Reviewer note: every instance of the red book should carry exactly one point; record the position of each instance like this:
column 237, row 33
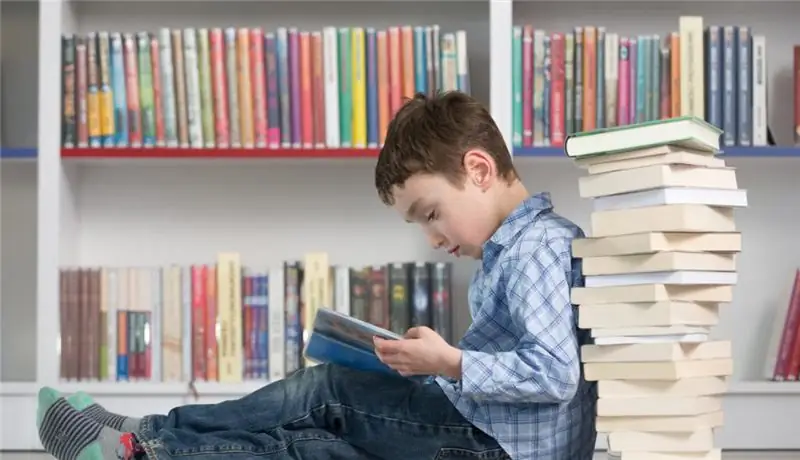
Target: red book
column 557, row 79
column 527, row 86
column 789, row 335
column 306, row 96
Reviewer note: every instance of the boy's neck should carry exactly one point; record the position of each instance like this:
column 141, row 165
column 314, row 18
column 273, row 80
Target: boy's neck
column 510, row 198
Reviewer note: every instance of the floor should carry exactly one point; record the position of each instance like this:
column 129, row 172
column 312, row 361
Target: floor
column 775, row 455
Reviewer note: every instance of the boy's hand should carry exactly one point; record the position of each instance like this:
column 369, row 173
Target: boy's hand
column 421, row 352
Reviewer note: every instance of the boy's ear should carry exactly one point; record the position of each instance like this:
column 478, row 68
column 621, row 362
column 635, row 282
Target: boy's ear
column 480, row 169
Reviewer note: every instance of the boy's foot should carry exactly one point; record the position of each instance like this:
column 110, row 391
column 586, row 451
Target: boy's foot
column 84, row 403
column 68, row 435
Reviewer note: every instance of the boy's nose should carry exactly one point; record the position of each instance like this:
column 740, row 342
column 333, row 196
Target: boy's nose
column 436, row 241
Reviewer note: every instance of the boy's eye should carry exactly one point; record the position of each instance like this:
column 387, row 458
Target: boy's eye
column 431, row 215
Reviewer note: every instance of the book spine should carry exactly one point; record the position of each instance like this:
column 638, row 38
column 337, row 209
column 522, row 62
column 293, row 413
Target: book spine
column 158, row 93
column 206, row 91
column 105, row 95
column 359, row 88
column 245, row 87
column 371, row 59
column 306, row 94
column 557, row 98
column 219, row 84
column 92, row 96
column 318, row 89
column 284, row 91
column 330, row 40
column 744, row 96
column 146, row 91
column 168, row 89
column 295, row 89
column 273, row 96
column 180, row 88
column 132, row 91
column 259, row 83
column 231, row 69
column 516, row 85
column 759, row 90
column 68, row 123
column 383, row 85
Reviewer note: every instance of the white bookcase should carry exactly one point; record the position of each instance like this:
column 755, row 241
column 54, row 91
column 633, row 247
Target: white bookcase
column 150, row 212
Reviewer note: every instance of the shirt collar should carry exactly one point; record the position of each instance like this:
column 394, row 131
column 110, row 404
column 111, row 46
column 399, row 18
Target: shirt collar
column 519, row 219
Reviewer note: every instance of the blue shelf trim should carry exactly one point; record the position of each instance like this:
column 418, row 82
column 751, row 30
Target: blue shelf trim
column 733, row 152
column 18, row 153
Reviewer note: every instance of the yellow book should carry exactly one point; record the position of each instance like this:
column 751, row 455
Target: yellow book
column 105, row 97
column 229, row 317
column 359, row 89
column 316, row 291
column 692, row 69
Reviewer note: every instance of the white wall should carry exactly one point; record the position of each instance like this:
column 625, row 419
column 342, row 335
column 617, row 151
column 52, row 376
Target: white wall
column 19, row 41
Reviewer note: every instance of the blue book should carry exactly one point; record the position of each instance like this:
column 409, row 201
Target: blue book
column 340, row 339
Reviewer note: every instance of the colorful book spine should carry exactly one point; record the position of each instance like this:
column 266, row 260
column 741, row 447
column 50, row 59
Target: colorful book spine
column 69, row 125
column 330, row 40
column 168, row 89
column 234, row 123
column 105, row 94
column 245, row 86
column 345, row 88
column 158, row 93
column 371, row 59
column 206, row 91
column 219, row 83
column 359, row 88
column 258, row 80
column 273, row 98
column 146, row 91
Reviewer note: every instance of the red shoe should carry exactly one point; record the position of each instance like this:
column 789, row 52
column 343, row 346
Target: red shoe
column 129, row 448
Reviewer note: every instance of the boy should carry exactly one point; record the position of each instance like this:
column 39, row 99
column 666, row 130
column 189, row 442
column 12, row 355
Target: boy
column 512, row 389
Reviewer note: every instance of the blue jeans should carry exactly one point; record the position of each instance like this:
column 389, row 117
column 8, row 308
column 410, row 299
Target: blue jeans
column 323, row 412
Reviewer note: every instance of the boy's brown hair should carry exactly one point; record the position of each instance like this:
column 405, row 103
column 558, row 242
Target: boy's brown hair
column 431, row 135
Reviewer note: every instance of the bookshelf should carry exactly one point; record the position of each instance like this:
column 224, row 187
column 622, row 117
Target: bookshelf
column 145, row 206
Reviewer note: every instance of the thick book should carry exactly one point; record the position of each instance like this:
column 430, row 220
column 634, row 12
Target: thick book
column 340, row 339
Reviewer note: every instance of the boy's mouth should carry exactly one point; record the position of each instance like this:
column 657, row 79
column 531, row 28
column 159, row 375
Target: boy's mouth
column 454, row 250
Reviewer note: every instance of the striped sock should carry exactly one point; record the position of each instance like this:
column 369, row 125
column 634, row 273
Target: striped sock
column 84, row 403
column 68, row 435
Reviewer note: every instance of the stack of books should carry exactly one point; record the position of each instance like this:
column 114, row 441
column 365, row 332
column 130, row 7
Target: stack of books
column 660, row 260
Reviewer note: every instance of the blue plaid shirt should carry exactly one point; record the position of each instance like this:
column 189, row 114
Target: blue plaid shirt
column 521, row 380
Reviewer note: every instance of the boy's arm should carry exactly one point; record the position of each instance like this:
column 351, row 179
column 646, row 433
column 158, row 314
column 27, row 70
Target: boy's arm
column 545, row 366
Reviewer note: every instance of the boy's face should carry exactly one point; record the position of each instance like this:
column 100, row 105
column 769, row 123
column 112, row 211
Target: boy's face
column 458, row 220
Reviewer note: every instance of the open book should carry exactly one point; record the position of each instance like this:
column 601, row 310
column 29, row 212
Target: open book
column 340, row 339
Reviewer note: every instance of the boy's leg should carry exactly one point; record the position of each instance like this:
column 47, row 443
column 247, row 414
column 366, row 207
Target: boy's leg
column 322, row 410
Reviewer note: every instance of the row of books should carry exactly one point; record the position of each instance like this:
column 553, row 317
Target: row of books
column 228, row 323
column 591, row 78
column 661, row 258
column 783, row 353
column 220, row 88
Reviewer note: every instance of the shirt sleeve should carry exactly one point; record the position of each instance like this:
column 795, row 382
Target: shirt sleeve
column 544, row 367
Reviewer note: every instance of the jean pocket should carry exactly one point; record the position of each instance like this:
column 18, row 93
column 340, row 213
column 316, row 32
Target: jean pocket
column 458, row 453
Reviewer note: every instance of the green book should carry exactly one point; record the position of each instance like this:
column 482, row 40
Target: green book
column 146, row 91
column 686, row 132
column 206, row 97
column 345, row 88
column 516, row 64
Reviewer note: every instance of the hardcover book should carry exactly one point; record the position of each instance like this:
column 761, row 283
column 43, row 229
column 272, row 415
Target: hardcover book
column 340, row 339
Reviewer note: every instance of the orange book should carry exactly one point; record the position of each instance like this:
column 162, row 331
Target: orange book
column 245, row 89
column 318, row 89
column 675, row 73
column 384, row 111
column 589, row 78
column 395, row 70
column 407, row 49
column 306, row 105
